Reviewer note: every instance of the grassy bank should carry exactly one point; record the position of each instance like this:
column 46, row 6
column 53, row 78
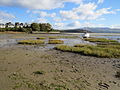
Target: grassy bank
column 91, row 50
column 55, row 42
column 31, row 42
column 100, row 40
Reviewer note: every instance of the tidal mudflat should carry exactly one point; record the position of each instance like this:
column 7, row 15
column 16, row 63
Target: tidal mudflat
column 40, row 67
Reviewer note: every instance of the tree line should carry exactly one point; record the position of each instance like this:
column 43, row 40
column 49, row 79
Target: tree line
column 46, row 27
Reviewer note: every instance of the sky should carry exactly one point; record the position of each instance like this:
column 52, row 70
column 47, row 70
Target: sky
column 62, row 14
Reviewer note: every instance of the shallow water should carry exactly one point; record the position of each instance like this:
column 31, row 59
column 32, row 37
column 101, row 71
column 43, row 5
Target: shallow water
column 8, row 42
column 5, row 40
column 110, row 37
column 72, row 42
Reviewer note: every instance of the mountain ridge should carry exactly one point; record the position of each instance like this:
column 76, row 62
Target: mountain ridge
column 92, row 30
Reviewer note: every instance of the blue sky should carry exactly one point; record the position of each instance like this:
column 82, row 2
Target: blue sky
column 62, row 14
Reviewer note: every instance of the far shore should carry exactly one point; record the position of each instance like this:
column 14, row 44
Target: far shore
column 109, row 34
column 93, row 34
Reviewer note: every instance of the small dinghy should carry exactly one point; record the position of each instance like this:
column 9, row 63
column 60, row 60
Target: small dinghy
column 86, row 35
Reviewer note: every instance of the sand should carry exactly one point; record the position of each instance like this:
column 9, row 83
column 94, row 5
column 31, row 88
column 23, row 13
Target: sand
column 60, row 70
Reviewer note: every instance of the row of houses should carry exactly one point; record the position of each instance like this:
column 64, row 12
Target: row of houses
column 11, row 25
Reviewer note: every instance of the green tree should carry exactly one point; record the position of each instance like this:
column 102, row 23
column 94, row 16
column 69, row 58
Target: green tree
column 48, row 27
column 45, row 27
column 35, row 27
column 27, row 30
column 42, row 26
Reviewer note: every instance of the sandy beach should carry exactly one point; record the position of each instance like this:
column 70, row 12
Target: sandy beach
column 59, row 70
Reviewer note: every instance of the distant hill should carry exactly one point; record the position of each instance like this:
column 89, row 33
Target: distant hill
column 76, row 31
column 103, row 30
column 92, row 30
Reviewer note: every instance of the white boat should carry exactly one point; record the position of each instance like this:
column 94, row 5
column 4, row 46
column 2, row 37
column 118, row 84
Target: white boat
column 86, row 35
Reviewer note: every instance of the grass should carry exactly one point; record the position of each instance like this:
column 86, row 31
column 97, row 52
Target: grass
column 56, row 42
column 91, row 50
column 108, row 43
column 40, row 38
column 110, row 46
column 17, row 85
column 81, row 45
column 101, row 46
column 100, row 40
column 58, row 86
column 53, row 37
column 31, row 42
column 22, row 81
column 16, row 76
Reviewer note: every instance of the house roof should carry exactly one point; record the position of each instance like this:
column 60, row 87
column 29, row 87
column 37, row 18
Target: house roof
column 2, row 24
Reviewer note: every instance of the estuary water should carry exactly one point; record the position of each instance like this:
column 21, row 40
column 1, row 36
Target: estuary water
column 6, row 40
column 112, row 36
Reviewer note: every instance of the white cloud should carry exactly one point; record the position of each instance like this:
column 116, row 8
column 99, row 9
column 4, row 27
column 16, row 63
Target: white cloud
column 69, row 15
column 117, row 9
column 44, row 14
column 6, row 2
column 40, row 20
column 88, row 24
column 100, row 1
column 72, row 25
column 59, row 25
column 75, row 24
column 37, row 4
column 74, row 1
column 57, row 19
column 5, row 17
column 87, row 11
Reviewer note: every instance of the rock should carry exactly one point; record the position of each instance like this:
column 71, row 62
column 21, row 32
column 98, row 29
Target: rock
column 61, row 70
column 114, row 82
column 73, row 66
column 14, row 73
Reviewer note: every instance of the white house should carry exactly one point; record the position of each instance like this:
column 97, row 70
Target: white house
column 10, row 25
column 18, row 25
column 2, row 25
column 27, row 25
column 21, row 25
